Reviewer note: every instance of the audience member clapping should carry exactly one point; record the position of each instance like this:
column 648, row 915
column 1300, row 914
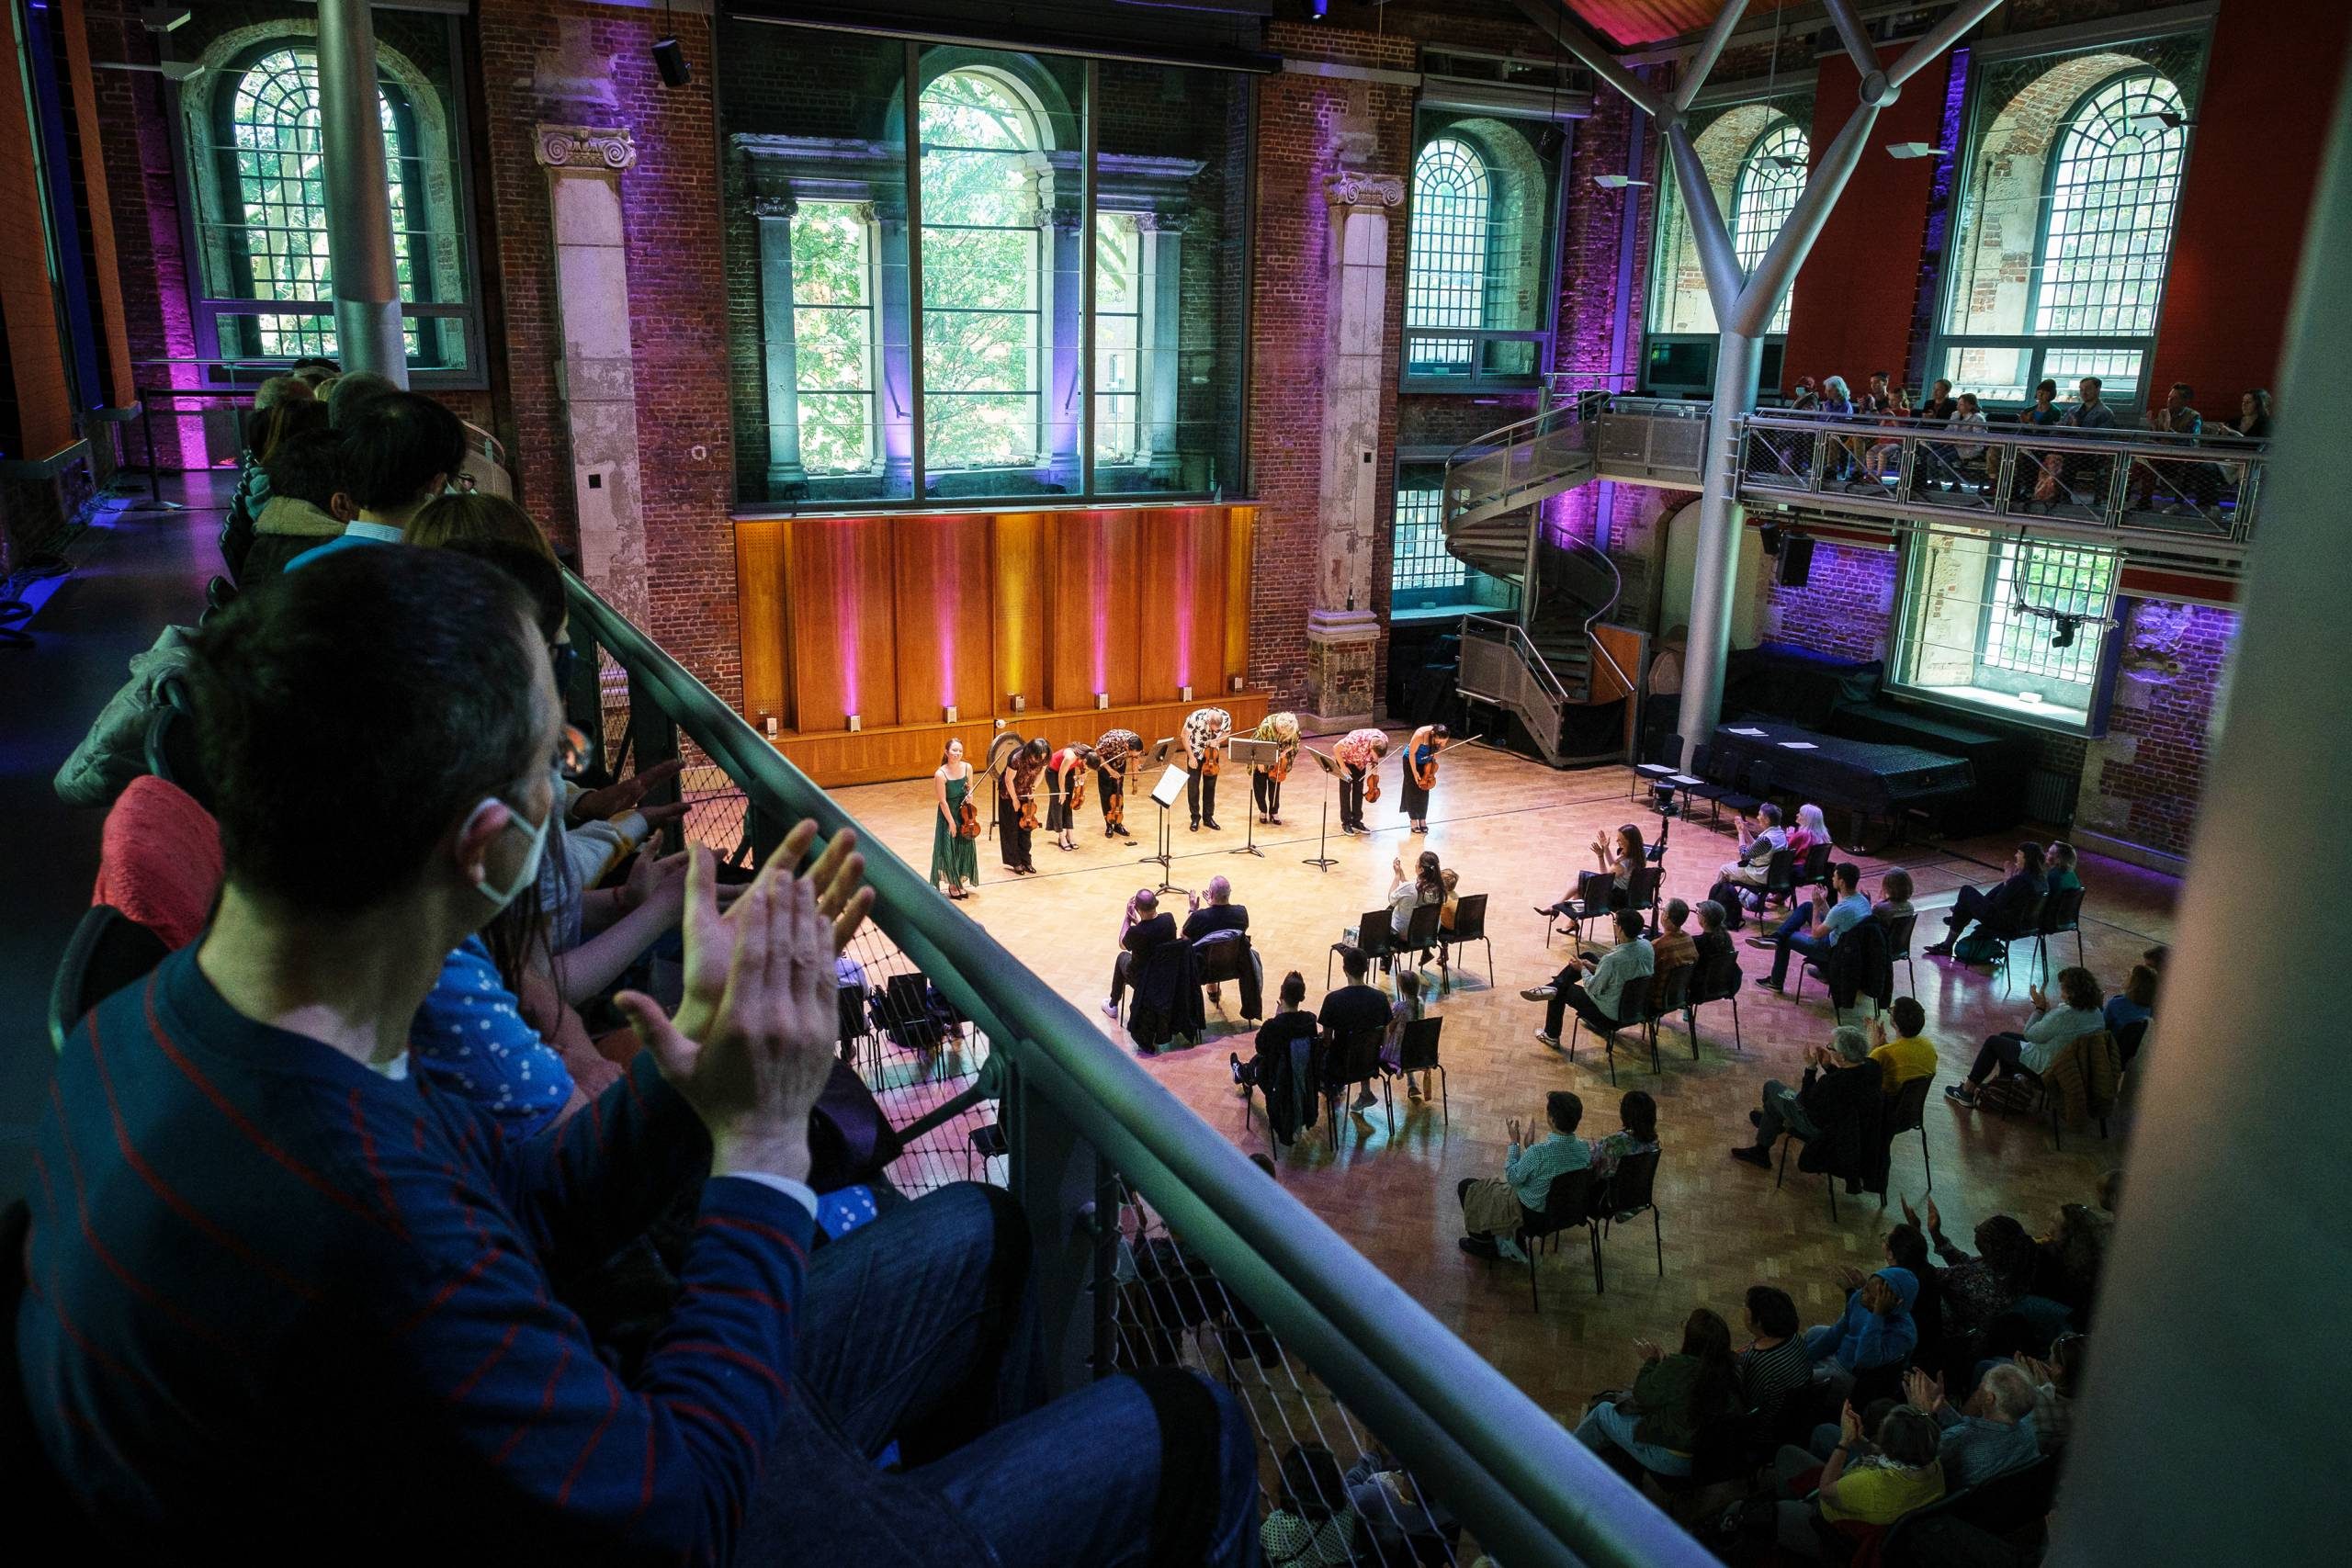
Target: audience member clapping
column 1862, row 1483
column 1991, row 1434
column 1494, row 1207
column 1659, row 1421
column 1837, row 1081
column 2050, row 1030
column 1875, row 1330
column 1594, row 983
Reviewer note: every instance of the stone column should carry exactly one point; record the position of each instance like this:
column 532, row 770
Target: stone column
column 1162, row 240
column 1062, row 351
column 596, row 376
column 775, row 210
column 895, row 306
column 1342, row 631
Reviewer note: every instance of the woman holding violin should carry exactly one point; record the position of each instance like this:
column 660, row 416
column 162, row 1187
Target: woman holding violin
column 954, row 855
column 1066, row 790
column 1266, row 782
column 1114, row 754
column 1016, row 812
column 1421, row 772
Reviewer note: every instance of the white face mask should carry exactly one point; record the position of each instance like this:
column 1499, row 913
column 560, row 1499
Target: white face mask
column 529, row 874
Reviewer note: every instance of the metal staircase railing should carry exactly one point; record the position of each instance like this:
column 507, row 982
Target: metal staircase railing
column 1154, row 1241
column 1500, row 666
column 1520, row 463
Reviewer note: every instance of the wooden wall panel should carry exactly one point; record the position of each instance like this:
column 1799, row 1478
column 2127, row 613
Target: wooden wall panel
column 1240, row 552
column 1021, row 605
column 843, row 639
column 940, row 566
column 763, row 621
column 1201, row 664
column 1093, row 635
column 1162, row 558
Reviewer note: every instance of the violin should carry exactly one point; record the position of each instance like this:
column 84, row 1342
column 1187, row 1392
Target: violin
column 969, row 828
column 1280, row 771
column 1077, row 790
column 1371, row 784
column 1115, row 808
column 1426, row 774
column 1028, row 816
column 1213, row 761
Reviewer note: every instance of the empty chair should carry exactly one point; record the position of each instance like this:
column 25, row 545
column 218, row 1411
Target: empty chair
column 1375, row 939
column 1703, row 785
column 1416, row 1052
column 1469, row 926
column 1908, row 1114
column 1666, row 763
column 1636, row 1000
column 1899, row 932
column 109, row 950
column 2061, row 912
column 849, row 1023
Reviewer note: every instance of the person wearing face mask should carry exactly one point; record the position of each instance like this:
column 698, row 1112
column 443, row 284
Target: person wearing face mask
column 339, row 1284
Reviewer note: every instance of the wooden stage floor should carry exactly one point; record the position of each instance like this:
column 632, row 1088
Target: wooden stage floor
column 1518, row 831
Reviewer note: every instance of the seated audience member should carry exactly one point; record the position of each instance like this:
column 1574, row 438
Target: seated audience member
column 1760, row 838
column 348, row 396
column 1814, row 926
column 1406, row 1008
column 1672, row 1399
column 2001, row 906
column 1836, row 1082
column 2047, row 1032
column 476, row 515
column 399, row 450
column 1594, row 983
column 1493, row 1207
column 1355, row 1007
column 305, row 506
column 2135, row 1003
column 2059, row 861
column 1991, row 1434
column 1906, row 1249
column 2057, row 1383
column 1894, row 895
column 1312, row 1525
column 1218, row 913
column 323, row 1236
column 1144, row 926
column 1636, row 1134
column 1776, row 1363
column 1403, row 1523
column 1673, row 947
column 1907, row 1055
column 1861, row 1485
column 1283, row 1067
column 1975, row 1290
column 1621, row 857
column 1811, row 828
column 1450, row 899
column 1713, row 943
column 1876, row 1329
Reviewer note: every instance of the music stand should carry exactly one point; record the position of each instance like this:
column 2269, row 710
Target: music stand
column 1321, row 859
column 1164, row 795
column 1157, row 755
column 1253, row 754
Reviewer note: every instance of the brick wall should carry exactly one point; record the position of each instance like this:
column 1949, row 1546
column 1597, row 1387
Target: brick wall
column 1845, row 609
column 2141, row 783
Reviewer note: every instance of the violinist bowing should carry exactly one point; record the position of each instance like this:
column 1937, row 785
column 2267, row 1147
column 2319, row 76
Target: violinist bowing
column 1207, row 732
column 1420, row 773
column 1016, row 811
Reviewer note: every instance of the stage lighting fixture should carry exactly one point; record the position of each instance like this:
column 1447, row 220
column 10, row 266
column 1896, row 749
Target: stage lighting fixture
column 2064, row 636
column 1916, row 150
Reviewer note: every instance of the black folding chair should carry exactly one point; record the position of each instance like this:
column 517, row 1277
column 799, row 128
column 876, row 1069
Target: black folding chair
column 2027, row 924
column 108, row 951
column 1631, row 1188
column 172, row 753
column 1634, row 1002
column 1899, row 932
column 1416, row 1052
column 1596, row 894
column 1670, row 994
column 1421, row 934
column 2061, row 912
column 1642, row 886
column 1908, row 1114
column 1716, row 981
column 1651, row 772
column 1353, row 1063
column 1565, row 1206
column 1375, row 939
column 1469, row 926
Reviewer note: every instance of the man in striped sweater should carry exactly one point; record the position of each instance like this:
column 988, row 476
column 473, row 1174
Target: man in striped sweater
column 284, row 1294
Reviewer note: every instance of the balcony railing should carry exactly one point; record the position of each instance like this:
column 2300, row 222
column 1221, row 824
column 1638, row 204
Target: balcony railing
column 2200, row 496
column 1156, row 1242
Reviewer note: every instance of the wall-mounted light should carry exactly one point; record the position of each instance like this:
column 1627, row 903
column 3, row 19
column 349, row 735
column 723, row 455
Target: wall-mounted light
column 950, row 712
column 769, row 720
column 1184, row 693
column 1616, row 182
column 1102, row 699
column 854, row 725
column 1234, row 684
column 1020, row 703
column 1916, row 150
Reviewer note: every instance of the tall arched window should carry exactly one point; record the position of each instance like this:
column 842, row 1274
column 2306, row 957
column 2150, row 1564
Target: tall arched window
column 1771, row 177
column 1446, row 275
column 2113, row 187
column 277, row 238
column 985, row 196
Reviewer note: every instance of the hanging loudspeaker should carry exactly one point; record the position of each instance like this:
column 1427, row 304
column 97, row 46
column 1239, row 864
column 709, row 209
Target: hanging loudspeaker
column 1796, row 562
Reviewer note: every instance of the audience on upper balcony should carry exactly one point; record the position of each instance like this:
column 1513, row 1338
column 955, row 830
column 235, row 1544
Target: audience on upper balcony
column 2254, row 417
column 2089, row 411
column 1313, row 1523
column 399, row 450
column 328, row 1231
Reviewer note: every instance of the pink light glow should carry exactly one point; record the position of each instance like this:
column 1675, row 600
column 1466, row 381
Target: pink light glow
column 943, row 613
column 845, row 624
column 1184, row 616
column 1101, row 606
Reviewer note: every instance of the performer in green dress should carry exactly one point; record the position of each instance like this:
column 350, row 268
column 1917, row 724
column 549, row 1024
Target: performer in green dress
column 953, row 856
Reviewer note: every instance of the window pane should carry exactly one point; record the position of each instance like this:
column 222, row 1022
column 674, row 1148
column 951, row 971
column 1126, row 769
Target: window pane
column 1756, row 157
column 1422, row 561
column 1771, row 177
column 2111, row 195
column 2015, row 627
column 1446, row 257
column 1171, row 192
column 816, row 213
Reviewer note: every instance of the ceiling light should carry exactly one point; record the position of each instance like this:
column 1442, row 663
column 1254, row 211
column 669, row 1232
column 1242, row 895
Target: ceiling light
column 2157, row 122
column 1785, row 161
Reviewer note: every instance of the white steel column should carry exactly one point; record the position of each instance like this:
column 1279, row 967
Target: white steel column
column 358, row 193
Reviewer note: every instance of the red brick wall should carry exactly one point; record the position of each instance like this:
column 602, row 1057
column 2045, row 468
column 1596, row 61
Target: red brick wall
column 1845, row 609
column 2141, row 783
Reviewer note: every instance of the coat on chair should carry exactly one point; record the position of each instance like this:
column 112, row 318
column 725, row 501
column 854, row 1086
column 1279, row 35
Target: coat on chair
column 1858, row 964
column 1229, row 955
column 1848, row 1108
column 1168, row 996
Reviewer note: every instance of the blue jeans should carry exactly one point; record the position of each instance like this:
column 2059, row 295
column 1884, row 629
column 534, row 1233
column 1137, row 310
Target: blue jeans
column 1604, row 1424
column 915, row 1331
column 1791, row 938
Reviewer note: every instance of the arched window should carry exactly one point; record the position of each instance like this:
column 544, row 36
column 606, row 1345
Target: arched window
column 2113, row 187
column 1771, row 176
column 986, row 194
column 1445, row 277
column 277, row 237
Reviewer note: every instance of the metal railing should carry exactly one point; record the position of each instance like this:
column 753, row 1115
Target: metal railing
column 1598, row 560
column 1501, row 665
column 1520, row 463
column 1155, row 1241
column 2148, row 484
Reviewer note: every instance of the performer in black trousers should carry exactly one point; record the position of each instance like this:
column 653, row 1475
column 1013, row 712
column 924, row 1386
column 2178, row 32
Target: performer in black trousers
column 1115, row 753
column 1205, row 732
column 1358, row 752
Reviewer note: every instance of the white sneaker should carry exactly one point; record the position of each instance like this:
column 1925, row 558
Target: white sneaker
column 1548, row 1039
column 1508, row 1247
column 1110, row 1009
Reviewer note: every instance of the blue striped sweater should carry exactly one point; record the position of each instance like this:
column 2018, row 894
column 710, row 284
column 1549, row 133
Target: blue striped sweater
column 279, row 1299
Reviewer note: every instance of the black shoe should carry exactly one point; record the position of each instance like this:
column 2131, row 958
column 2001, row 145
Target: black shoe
column 1755, row 1118
column 1757, row 1157
column 1942, row 950
column 1479, row 1246
column 1210, row 823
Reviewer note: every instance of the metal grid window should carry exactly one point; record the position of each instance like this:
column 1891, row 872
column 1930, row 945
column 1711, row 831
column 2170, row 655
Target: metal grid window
column 982, row 290
column 1119, row 337
column 278, row 232
column 832, row 331
column 1771, row 177
column 1422, row 562
column 1445, row 274
column 2114, row 185
column 2069, row 578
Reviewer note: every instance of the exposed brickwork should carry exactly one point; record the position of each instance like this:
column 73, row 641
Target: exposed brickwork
column 2141, row 783
column 1846, row 608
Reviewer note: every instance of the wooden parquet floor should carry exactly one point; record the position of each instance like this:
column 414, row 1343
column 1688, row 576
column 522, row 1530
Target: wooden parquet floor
column 1518, row 831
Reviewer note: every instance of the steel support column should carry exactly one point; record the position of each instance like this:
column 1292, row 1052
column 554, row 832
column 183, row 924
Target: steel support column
column 359, row 191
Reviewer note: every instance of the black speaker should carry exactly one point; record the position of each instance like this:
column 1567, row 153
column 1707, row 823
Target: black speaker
column 1795, row 568
column 670, row 61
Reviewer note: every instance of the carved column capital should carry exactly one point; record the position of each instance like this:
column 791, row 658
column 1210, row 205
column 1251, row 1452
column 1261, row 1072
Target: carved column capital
column 586, row 147
column 1358, row 189
column 774, row 204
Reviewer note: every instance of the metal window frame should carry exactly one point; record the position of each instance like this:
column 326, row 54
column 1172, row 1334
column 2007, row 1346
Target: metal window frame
column 1903, row 663
column 1742, row 189
column 2039, row 275
column 1476, row 379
